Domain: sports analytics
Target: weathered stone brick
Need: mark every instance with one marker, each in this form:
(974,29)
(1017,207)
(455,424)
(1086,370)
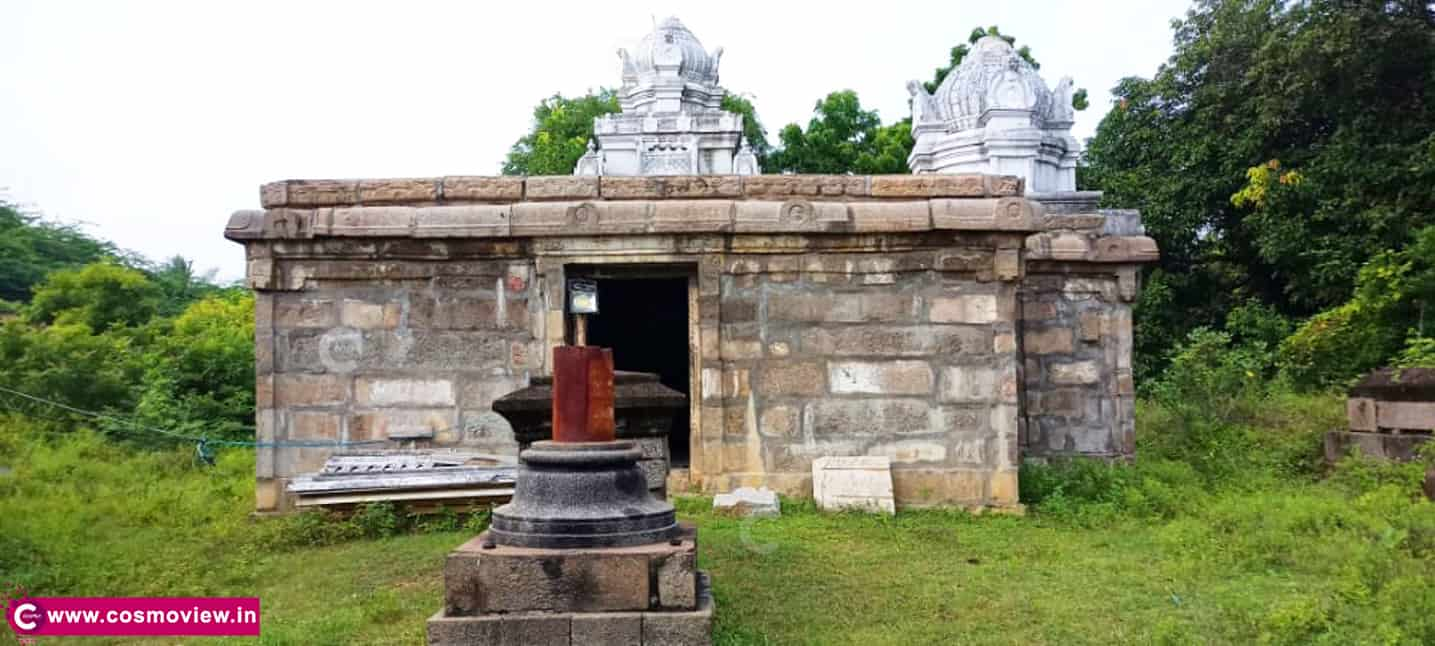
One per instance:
(847,417)
(735,382)
(973,383)
(616,187)
(1077,372)
(365,315)
(891,216)
(574,582)
(740,349)
(560,187)
(789,216)
(933,185)
(1066,402)
(1090,326)
(1053,340)
(1006,185)
(682,216)
(770,186)
(463,631)
(920,487)
(779,421)
(304,313)
(971,449)
(536,629)
(313,426)
(608,628)
(1003,489)
(392,191)
(885,340)
(776,378)
(321,192)
(483,189)
(969,308)
(840,308)
(884,377)
(677,580)
(380,391)
(1361,412)
(463,221)
(1412,415)
(466,312)
(310,390)
(1001,214)
(401,424)
(911,451)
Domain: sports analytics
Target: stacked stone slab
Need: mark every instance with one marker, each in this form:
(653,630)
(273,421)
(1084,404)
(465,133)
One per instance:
(1391,413)
(643,594)
(945,321)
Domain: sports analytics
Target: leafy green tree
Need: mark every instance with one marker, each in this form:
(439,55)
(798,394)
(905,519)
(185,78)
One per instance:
(752,129)
(842,137)
(31,248)
(1388,316)
(200,370)
(958,53)
(180,285)
(99,295)
(70,364)
(1280,147)
(562,127)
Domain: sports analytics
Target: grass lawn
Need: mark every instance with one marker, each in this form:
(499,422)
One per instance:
(1281,560)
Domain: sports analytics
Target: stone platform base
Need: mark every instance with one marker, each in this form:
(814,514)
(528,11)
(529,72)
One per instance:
(637,594)
(654,628)
(1381,446)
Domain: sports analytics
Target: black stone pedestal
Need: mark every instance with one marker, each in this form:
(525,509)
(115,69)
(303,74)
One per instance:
(575,495)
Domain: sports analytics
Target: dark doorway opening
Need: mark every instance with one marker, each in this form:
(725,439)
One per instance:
(643,316)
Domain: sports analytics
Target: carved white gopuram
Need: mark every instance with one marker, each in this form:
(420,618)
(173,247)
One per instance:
(672,121)
(994,114)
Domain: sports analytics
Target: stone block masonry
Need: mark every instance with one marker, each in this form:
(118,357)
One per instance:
(942,321)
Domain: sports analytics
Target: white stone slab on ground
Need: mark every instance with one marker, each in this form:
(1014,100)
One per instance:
(856,482)
(750,502)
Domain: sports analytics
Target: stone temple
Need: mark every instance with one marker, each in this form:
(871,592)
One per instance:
(672,121)
(958,321)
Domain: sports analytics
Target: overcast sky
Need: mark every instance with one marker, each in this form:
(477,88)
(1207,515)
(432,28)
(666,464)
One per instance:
(152,121)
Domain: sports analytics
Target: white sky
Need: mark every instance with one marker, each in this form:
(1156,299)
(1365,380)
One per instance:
(153,121)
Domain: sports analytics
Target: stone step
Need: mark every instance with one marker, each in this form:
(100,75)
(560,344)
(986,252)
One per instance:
(651,628)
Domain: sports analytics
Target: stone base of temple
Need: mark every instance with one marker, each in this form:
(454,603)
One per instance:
(639,594)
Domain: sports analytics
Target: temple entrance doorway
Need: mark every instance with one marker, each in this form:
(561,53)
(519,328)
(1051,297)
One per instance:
(644,316)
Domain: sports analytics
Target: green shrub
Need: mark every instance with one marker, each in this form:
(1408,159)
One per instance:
(1419,352)
(1338,345)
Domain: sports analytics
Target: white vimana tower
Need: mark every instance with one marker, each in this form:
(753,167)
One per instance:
(672,121)
(994,114)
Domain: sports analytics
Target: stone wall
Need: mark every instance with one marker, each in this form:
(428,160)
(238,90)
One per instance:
(911,355)
(942,320)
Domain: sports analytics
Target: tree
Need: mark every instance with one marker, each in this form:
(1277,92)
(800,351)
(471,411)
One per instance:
(752,129)
(1278,148)
(31,248)
(958,53)
(842,138)
(179,285)
(99,296)
(563,126)
(560,134)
